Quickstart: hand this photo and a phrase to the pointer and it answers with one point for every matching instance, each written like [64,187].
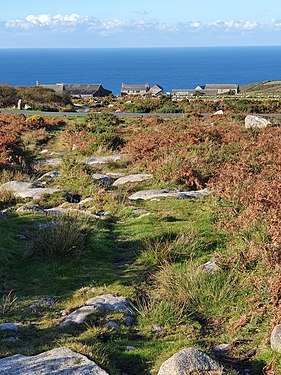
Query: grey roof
[156,89]
[183,91]
[82,89]
[56,87]
[223,86]
[126,87]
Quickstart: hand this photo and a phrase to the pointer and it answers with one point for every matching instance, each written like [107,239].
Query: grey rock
[187,361]
[62,211]
[61,153]
[156,329]
[220,112]
[100,305]
[21,237]
[130,348]
[112,325]
[129,320]
[11,339]
[29,208]
[256,122]
[61,361]
[275,339]
[115,174]
[49,161]
[132,178]
[42,303]
[140,212]
[209,266]
[166,193]
[9,326]
[102,159]
[221,350]
[102,178]
[27,189]
[86,200]
[80,315]
[52,174]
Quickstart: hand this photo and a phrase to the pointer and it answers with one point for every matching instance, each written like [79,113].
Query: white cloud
[49,21]
[72,22]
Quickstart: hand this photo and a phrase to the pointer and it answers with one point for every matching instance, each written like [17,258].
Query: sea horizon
[170,67]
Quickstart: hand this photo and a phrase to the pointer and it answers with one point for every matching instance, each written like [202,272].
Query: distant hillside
[265,87]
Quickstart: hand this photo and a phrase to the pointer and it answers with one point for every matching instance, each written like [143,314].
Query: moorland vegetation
[154,252]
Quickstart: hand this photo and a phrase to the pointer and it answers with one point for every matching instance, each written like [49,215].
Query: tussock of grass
[65,237]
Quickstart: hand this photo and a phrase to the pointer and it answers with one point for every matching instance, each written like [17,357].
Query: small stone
[156,329]
[275,339]
[9,326]
[140,212]
[36,209]
[42,303]
[221,350]
[112,325]
[209,266]
[52,174]
[132,178]
[21,237]
[130,348]
[102,159]
[102,178]
[50,161]
[220,112]
[10,339]
[129,320]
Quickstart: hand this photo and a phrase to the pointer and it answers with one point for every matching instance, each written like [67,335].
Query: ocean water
[172,68]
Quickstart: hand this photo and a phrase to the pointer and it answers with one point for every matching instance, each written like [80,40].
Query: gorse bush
[65,237]
[8,96]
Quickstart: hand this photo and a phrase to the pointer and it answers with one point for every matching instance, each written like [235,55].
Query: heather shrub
[8,96]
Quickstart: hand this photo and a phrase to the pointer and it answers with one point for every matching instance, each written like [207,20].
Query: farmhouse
[156,90]
[217,89]
[79,89]
[134,89]
[183,93]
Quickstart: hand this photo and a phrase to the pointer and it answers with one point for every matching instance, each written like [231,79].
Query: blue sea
[172,68]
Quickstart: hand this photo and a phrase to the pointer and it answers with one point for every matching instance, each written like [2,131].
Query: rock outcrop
[256,122]
[27,189]
[57,361]
[132,178]
[187,361]
[275,339]
[101,305]
[165,193]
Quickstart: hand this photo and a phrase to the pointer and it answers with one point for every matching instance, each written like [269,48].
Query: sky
[134,23]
